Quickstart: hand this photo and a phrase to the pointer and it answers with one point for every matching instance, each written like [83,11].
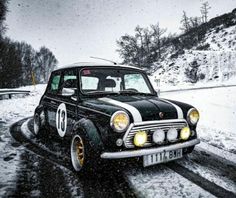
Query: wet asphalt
[46,173]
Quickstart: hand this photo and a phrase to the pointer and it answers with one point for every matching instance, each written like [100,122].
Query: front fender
[91,132]
[38,109]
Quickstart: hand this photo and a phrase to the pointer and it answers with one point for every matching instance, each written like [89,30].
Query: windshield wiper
[131,92]
[127,92]
[101,92]
[146,94]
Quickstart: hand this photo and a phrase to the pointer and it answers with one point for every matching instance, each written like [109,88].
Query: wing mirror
[68,92]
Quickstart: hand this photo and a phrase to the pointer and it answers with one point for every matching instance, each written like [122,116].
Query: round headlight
[193,116]
[119,121]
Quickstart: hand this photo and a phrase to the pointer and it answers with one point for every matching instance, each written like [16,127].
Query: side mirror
[67,92]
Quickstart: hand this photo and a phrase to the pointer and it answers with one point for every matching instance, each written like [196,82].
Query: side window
[69,81]
[54,84]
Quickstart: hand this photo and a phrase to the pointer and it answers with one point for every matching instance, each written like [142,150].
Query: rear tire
[39,124]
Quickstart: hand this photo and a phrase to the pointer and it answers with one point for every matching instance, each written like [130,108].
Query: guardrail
[196,88]
[10,92]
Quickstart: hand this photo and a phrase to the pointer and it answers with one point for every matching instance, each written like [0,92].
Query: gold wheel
[80,150]
[77,152]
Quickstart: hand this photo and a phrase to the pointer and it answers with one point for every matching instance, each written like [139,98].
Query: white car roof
[93,64]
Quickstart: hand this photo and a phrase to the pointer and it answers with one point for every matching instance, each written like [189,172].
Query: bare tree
[45,63]
[194,21]
[157,35]
[144,47]
[27,56]
[3,10]
[185,22]
[204,11]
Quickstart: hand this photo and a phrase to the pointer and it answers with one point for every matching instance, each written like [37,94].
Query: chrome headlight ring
[190,116]
[113,124]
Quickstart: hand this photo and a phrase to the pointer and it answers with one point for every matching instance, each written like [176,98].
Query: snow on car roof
[93,64]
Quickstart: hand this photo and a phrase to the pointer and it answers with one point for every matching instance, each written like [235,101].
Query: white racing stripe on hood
[178,109]
[135,113]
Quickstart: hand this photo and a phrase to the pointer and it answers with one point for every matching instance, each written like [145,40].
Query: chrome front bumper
[148,151]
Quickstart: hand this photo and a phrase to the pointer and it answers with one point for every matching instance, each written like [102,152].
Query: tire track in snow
[175,171]
[207,185]
[211,168]
[109,183]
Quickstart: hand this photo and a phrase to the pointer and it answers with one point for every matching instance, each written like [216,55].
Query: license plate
[164,156]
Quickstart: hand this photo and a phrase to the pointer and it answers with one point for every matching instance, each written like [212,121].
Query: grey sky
[77,29]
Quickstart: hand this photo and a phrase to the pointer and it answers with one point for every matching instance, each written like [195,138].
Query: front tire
[84,158]
[77,151]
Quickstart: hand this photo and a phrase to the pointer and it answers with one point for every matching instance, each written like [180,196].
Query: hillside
[204,54]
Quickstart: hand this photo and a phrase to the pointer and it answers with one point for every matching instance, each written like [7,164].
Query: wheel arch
[39,109]
[91,132]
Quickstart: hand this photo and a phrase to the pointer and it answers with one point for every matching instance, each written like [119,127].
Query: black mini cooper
[113,112]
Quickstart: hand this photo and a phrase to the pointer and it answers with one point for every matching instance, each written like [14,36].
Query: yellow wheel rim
[77,152]
[80,150]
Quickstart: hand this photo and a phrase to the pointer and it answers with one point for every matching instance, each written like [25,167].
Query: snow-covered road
[199,175]
[217,125]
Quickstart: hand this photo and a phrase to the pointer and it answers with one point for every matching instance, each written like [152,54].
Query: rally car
[113,112]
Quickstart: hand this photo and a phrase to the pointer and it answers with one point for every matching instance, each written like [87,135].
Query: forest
[20,63]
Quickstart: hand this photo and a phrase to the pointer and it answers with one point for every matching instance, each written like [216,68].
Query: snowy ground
[217,109]
[216,127]
[215,62]
[21,107]
[13,110]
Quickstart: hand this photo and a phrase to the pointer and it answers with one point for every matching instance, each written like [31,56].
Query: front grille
[150,127]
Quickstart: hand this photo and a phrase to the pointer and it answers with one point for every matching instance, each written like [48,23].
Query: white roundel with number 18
[61,119]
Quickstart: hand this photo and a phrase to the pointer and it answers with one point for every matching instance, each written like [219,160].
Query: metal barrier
[10,92]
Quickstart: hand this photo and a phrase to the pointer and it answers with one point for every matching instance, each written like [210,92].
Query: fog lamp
[158,136]
[172,134]
[185,133]
[140,138]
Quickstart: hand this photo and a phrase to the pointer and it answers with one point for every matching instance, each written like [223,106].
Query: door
[61,100]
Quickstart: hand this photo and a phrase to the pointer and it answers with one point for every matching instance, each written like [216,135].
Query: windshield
[114,81]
